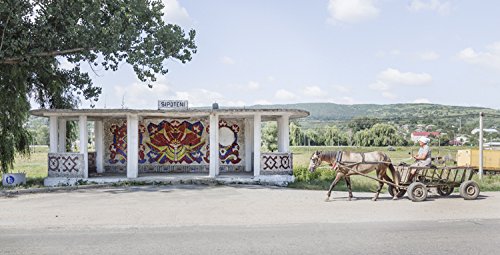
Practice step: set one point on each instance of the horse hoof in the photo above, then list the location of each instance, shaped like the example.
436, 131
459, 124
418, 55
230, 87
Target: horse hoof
374, 199
349, 199
395, 198
327, 199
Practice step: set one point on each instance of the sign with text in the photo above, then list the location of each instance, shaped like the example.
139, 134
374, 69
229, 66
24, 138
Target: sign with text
172, 104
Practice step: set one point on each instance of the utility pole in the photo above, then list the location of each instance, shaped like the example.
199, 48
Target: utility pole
481, 115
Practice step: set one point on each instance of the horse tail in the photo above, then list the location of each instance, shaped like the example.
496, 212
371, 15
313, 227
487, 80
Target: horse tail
395, 174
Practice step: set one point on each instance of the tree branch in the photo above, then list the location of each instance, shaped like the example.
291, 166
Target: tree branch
3, 32
17, 60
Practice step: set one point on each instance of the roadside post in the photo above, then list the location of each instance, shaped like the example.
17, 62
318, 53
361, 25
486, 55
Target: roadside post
481, 115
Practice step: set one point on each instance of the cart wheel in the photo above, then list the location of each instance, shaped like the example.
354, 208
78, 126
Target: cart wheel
393, 190
417, 192
469, 190
445, 190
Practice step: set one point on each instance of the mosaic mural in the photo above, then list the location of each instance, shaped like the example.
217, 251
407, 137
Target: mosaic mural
174, 142
118, 147
229, 148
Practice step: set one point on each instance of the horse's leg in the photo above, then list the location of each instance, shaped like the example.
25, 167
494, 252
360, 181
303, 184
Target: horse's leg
380, 175
335, 181
348, 182
387, 178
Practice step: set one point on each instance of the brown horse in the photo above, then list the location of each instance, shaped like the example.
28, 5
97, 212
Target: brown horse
352, 163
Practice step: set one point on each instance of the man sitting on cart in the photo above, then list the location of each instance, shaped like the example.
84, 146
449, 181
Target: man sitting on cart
423, 159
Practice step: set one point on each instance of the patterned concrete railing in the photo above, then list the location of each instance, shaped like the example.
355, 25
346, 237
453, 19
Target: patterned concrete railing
276, 163
65, 164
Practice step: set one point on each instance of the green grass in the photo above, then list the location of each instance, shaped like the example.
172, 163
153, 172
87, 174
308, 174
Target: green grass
35, 166
323, 177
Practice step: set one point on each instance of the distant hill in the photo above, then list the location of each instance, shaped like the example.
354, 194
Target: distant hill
336, 112
461, 119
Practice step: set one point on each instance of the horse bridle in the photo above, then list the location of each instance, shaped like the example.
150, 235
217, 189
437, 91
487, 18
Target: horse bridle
316, 160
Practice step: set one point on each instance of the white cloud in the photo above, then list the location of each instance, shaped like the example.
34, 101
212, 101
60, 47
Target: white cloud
489, 58
262, 102
421, 101
203, 97
345, 100
342, 89
175, 13
253, 85
381, 86
441, 7
283, 94
314, 91
250, 86
182, 95
227, 60
467, 54
394, 76
429, 55
390, 77
351, 11
140, 96
389, 95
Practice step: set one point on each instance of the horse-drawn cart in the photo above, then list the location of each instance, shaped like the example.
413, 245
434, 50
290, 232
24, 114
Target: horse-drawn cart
443, 179
411, 180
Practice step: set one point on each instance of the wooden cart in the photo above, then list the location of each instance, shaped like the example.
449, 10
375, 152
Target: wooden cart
443, 179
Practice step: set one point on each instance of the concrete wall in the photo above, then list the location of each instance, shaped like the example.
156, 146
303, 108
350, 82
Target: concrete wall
175, 145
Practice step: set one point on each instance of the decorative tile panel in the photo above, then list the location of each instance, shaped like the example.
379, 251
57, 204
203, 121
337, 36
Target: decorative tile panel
276, 163
65, 164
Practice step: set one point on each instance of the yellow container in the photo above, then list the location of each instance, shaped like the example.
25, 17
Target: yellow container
470, 158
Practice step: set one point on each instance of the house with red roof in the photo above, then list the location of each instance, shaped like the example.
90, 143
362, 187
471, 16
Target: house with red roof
416, 135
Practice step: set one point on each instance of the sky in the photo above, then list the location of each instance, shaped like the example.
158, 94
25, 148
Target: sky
339, 51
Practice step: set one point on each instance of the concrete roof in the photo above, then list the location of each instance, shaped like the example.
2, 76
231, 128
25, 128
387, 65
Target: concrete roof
149, 113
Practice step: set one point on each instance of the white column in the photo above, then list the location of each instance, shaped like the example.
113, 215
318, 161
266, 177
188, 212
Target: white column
132, 146
99, 146
214, 145
82, 124
53, 134
62, 135
248, 144
256, 144
283, 134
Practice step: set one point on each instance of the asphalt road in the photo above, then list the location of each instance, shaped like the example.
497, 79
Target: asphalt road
244, 220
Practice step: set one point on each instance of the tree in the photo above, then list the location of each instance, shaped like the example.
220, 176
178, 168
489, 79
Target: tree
333, 136
270, 136
295, 134
36, 34
312, 137
379, 135
362, 123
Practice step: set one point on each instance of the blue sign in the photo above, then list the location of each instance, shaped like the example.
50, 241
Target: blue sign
10, 179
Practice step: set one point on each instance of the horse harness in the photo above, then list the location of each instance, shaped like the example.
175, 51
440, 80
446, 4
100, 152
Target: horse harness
343, 164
